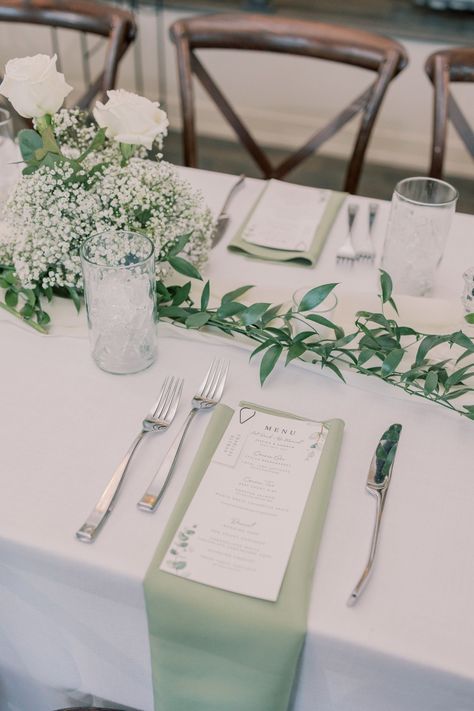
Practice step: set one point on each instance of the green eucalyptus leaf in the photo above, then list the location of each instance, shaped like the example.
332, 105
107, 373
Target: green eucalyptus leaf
459, 375
323, 321
179, 244
295, 351
230, 308
173, 312
364, 356
335, 369
469, 318
266, 344
431, 382
315, 296
29, 142
386, 286
233, 295
74, 295
205, 296
43, 318
253, 314
391, 362
181, 294
11, 298
427, 344
197, 320
269, 361
184, 267
271, 313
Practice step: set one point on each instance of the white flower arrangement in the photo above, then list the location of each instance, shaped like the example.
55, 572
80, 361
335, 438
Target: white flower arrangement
84, 176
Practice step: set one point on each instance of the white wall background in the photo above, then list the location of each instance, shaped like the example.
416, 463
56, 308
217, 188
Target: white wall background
283, 99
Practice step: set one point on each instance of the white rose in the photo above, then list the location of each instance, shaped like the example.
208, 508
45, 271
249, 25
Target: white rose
130, 118
34, 86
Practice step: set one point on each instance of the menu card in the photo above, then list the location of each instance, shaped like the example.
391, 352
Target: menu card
238, 531
286, 216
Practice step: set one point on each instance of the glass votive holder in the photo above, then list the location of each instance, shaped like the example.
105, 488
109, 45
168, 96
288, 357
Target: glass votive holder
119, 289
421, 213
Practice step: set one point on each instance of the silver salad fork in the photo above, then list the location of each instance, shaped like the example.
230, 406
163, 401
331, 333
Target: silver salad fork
207, 396
158, 419
346, 252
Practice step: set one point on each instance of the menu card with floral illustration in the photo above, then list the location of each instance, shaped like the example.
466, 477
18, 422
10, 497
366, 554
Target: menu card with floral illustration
238, 531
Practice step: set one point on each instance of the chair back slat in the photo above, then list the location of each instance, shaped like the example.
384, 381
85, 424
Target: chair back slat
383, 56
84, 16
443, 68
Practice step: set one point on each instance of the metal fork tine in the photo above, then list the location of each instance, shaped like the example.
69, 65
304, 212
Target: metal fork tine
207, 377
174, 402
219, 389
211, 380
167, 400
215, 381
172, 412
160, 397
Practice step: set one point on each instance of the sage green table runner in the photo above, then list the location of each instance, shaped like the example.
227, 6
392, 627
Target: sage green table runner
213, 650
308, 258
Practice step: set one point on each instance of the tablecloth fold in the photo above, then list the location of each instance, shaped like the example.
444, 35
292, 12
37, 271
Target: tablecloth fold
213, 650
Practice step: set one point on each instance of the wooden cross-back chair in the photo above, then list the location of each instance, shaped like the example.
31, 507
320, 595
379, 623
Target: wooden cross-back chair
385, 57
444, 67
85, 16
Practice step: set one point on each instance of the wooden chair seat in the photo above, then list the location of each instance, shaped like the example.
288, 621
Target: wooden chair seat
443, 68
382, 56
85, 16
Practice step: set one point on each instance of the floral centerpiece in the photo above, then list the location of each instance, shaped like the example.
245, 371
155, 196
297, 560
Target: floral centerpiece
85, 174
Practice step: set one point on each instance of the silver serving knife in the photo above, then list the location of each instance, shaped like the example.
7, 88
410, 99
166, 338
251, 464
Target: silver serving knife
223, 217
378, 481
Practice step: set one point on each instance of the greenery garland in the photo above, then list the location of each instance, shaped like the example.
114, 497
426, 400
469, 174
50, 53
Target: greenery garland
376, 347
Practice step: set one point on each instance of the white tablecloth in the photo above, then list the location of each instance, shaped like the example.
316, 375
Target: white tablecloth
72, 616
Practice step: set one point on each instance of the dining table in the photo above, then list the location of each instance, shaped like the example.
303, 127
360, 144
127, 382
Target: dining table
73, 624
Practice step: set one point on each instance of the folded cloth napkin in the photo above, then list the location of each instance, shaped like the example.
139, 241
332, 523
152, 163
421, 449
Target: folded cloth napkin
308, 258
213, 650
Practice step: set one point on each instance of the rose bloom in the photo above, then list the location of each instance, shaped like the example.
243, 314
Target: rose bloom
130, 118
34, 86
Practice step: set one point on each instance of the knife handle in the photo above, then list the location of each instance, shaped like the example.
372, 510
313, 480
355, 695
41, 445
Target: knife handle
364, 578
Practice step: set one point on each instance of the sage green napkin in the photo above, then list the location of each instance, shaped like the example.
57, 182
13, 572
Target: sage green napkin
213, 650
239, 244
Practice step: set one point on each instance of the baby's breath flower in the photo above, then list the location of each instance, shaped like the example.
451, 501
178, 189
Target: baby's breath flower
48, 215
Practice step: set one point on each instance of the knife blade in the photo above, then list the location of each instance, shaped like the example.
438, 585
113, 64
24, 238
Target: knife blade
223, 217
378, 481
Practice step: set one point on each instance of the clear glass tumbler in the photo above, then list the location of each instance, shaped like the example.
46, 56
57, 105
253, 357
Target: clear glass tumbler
420, 219
119, 287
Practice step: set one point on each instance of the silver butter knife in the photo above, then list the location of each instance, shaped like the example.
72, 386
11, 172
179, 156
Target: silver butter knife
223, 217
378, 481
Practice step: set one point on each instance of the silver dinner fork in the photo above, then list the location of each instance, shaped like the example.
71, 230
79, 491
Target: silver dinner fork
368, 251
346, 252
207, 397
158, 419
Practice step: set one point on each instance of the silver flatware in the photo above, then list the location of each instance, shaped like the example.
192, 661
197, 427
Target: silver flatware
207, 397
346, 254
223, 217
367, 252
158, 419
378, 481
